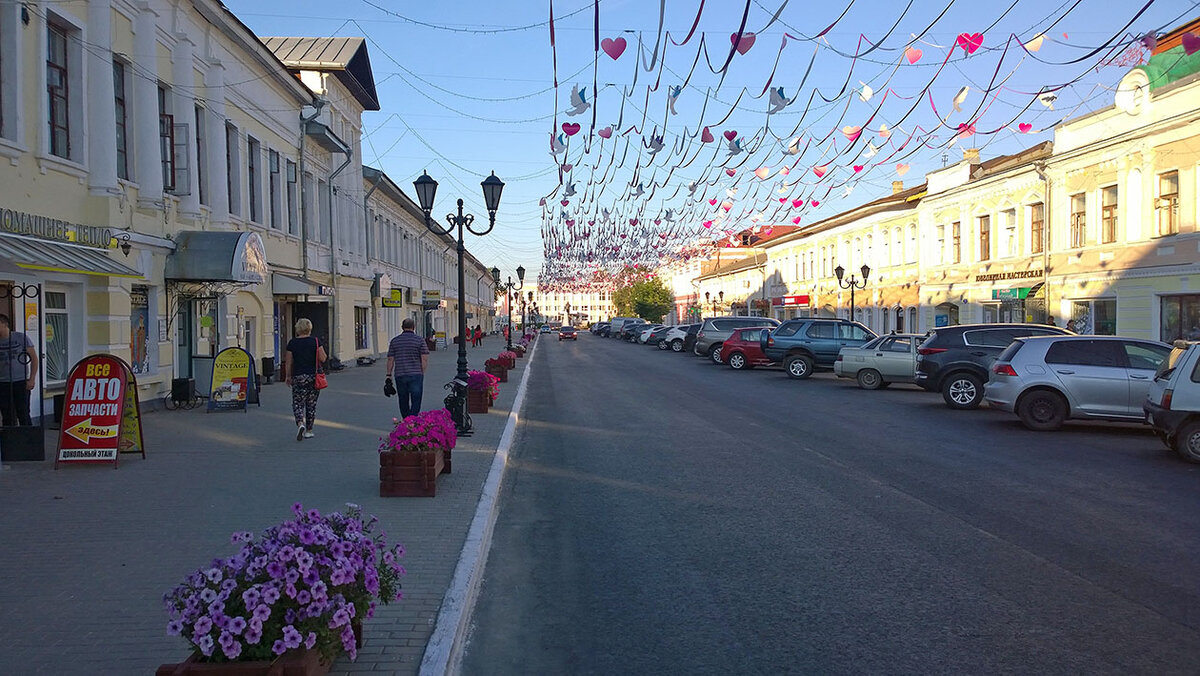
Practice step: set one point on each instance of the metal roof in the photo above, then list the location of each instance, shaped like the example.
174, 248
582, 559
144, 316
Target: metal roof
31, 253
346, 58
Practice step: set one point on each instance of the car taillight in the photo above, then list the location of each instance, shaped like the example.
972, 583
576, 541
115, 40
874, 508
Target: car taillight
1166, 399
926, 351
700, 335
1004, 370
770, 340
838, 358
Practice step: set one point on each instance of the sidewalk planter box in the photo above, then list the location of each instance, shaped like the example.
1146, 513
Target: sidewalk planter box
410, 474
498, 371
478, 401
511, 362
299, 662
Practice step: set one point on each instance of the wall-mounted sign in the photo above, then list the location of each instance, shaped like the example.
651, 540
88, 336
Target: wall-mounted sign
394, 298
1010, 294
101, 414
789, 301
325, 290
20, 223
431, 300
1015, 274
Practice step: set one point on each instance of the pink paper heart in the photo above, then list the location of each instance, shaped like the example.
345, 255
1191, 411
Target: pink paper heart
913, 54
796, 220
852, 133
1025, 127
742, 43
783, 171
706, 136
713, 201
614, 48
591, 222
730, 135
632, 221
965, 130
858, 168
542, 202
815, 203
970, 41
762, 172
902, 169
783, 200
567, 167
566, 202
605, 132
570, 222
657, 221
797, 203
821, 170
726, 205
707, 224
570, 128
731, 172
1191, 43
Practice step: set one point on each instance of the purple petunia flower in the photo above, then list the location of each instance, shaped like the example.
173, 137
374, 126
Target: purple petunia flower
262, 613
213, 574
237, 625
270, 595
311, 640
275, 569
253, 636
205, 644
202, 625
291, 637
175, 628
278, 647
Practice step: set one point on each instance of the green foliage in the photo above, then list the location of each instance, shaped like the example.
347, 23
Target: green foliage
639, 297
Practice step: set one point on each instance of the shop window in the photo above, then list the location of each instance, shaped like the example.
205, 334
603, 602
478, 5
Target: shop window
201, 155
956, 243
1108, 215
945, 314
119, 103
139, 329
1166, 207
58, 87
1093, 317
360, 328
1078, 221
985, 238
1037, 227
254, 178
1179, 318
58, 336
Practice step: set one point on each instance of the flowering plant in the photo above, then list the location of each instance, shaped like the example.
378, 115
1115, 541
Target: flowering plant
301, 583
498, 362
425, 431
507, 354
479, 380
518, 348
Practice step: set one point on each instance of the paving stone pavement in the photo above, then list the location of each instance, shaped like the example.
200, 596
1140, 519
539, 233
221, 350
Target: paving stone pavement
88, 551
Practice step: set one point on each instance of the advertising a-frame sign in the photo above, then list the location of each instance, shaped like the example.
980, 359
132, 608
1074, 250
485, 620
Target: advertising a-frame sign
102, 417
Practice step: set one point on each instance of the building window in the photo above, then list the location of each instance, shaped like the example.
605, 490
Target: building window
139, 329
57, 86
1037, 227
119, 101
360, 328
1166, 207
1078, 221
1108, 215
1010, 233
233, 170
254, 178
898, 247
273, 189
940, 254
1180, 318
293, 220
58, 337
956, 242
911, 249
201, 155
166, 140
1093, 317
9, 48
985, 238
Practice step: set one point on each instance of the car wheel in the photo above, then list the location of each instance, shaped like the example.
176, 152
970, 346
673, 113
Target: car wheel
737, 361
869, 379
1187, 442
714, 353
677, 345
962, 391
662, 345
798, 366
1042, 410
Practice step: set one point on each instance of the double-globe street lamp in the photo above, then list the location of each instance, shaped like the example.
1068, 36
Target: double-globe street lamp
426, 188
720, 294
509, 287
852, 283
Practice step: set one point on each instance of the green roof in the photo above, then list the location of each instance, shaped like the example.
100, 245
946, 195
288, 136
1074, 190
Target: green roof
1169, 66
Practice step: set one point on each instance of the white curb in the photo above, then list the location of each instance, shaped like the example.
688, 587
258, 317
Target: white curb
443, 653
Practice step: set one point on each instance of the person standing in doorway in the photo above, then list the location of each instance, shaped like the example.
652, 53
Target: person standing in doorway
304, 355
18, 374
407, 358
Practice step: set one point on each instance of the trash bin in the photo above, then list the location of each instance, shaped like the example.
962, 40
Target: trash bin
182, 389
268, 368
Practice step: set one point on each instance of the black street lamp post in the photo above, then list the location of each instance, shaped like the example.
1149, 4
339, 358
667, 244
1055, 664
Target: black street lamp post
426, 188
852, 283
509, 287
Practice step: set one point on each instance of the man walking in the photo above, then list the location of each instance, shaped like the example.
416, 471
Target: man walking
16, 353
407, 358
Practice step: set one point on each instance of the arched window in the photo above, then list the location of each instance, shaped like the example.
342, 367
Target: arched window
898, 246
884, 258
912, 243
912, 320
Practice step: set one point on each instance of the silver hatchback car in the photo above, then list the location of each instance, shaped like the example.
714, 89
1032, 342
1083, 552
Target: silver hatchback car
1046, 380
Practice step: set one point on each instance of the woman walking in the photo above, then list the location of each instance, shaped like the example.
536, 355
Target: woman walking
304, 356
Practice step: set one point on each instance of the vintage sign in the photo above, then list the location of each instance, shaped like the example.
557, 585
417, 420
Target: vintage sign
232, 378
101, 413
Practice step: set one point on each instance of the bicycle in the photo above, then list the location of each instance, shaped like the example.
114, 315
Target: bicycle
172, 404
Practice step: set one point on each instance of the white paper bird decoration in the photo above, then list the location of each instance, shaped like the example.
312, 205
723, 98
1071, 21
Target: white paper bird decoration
1048, 99
557, 144
866, 92
579, 104
735, 147
655, 145
570, 190
960, 97
672, 95
779, 100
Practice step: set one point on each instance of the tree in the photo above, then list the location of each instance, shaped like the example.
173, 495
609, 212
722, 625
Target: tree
648, 299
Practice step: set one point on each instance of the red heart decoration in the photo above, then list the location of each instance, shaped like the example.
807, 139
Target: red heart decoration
797, 203
605, 132
796, 220
965, 130
970, 41
632, 221
566, 202
820, 171
742, 43
614, 48
542, 202
913, 54
591, 222
713, 201
657, 221
567, 167
858, 168
707, 224
1191, 43
731, 172
570, 128
730, 135
782, 200
706, 136
1025, 127
815, 203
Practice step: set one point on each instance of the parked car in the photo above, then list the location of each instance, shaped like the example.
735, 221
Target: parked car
678, 330
567, 333
644, 334
1172, 404
716, 330
881, 361
955, 360
689, 341
656, 336
604, 330
808, 343
742, 350
1047, 380
680, 338
598, 327
618, 323
630, 330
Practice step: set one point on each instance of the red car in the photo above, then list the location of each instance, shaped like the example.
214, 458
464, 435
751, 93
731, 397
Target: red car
567, 333
742, 350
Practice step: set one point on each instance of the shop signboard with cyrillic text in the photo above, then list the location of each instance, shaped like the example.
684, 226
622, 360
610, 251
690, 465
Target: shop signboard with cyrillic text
101, 415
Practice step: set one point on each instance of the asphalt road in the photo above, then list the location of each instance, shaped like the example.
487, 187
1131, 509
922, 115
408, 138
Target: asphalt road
662, 514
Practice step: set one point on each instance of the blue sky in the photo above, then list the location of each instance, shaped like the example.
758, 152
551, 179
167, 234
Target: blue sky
466, 87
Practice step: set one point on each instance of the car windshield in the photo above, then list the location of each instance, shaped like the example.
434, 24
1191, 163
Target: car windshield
872, 343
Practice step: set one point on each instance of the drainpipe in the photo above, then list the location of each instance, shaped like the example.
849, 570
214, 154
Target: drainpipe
1040, 168
333, 260
367, 225
318, 104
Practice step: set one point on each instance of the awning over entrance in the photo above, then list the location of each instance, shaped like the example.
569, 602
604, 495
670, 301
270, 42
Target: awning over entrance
237, 257
286, 285
31, 253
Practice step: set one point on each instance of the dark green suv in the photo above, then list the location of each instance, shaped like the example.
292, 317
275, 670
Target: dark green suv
812, 342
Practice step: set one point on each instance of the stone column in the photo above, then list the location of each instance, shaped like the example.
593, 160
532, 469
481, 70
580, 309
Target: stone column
148, 157
182, 74
218, 172
101, 106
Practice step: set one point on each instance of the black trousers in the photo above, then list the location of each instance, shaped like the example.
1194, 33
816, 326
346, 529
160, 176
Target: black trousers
14, 403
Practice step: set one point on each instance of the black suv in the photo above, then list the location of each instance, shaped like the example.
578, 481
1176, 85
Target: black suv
955, 360
811, 342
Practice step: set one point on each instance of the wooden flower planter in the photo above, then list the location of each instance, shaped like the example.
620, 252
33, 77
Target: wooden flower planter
498, 371
410, 474
510, 362
478, 401
301, 662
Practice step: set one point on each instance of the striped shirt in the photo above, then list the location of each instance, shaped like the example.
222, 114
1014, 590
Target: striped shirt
406, 349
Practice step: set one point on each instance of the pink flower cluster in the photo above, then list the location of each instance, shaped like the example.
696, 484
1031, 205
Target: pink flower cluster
482, 381
508, 354
425, 431
300, 583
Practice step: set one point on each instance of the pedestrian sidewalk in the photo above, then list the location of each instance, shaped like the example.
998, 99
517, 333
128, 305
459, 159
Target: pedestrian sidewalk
89, 551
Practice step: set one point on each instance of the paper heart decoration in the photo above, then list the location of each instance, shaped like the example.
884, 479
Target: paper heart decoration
858, 168
726, 205
965, 130
783, 171
614, 48
815, 203
852, 133
707, 224
570, 128
605, 132
657, 221
567, 167
635, 223
884, 132
821, 170
797, 203
566, 202
902, 169
1025, 127
1191, 43
591, 222
970, 41
782, 200
730, 135
731, 172
742, 43
713, 201
913, 54
762, 172
706, 136
796, 220
570, 222
542, 202
1036, 43
632, 221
